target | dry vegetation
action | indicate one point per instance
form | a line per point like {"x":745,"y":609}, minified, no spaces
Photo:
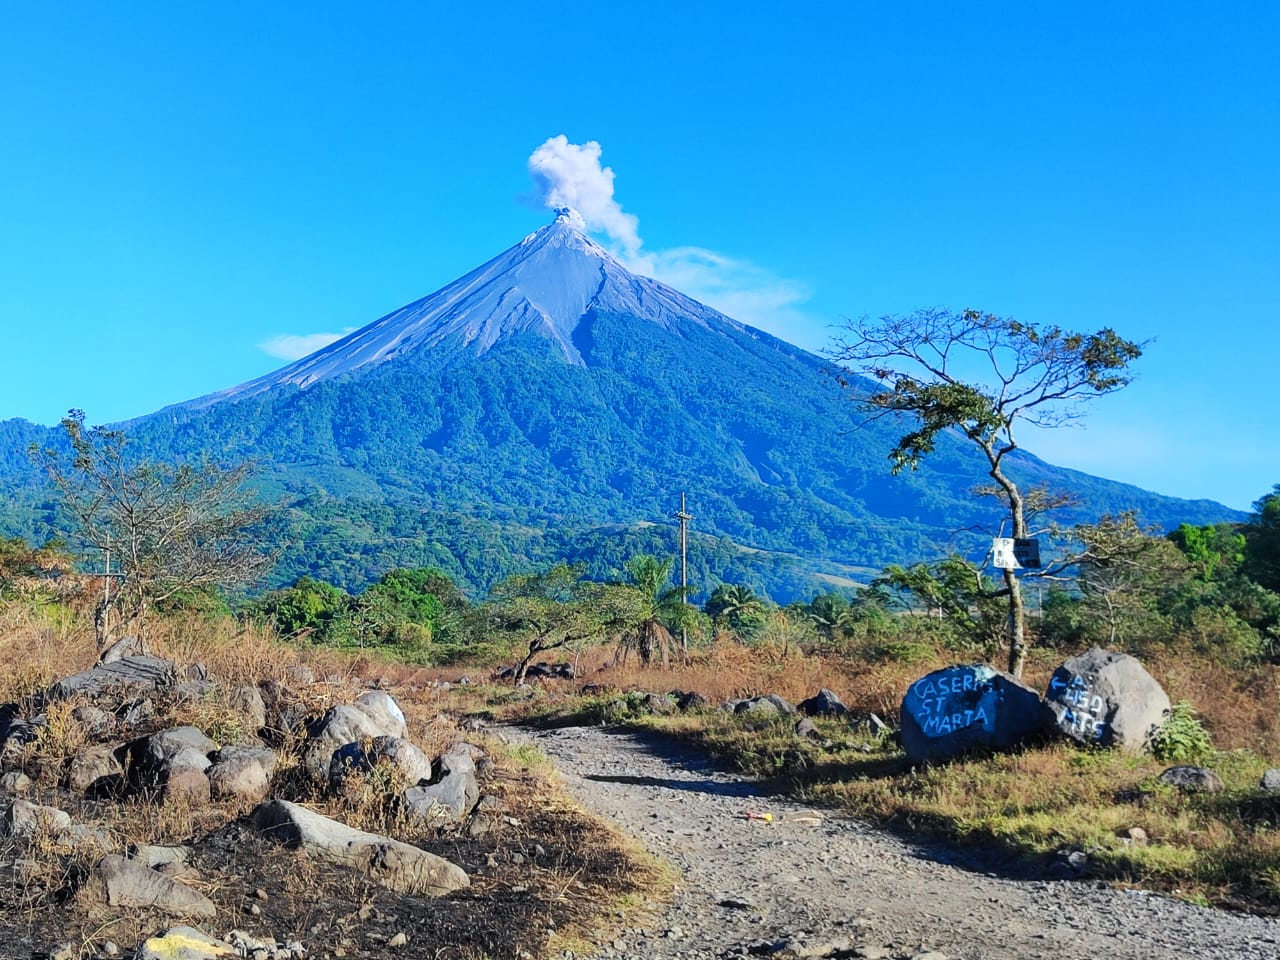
{"x":543,"y":873}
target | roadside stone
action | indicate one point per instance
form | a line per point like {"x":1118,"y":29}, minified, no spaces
{"x":1192,"y":779}
{"x":15,"y":782}
{"x":760,"y":708}
{"x":411,"y":765}
{"x":450,"y":796}
{"x":374,"y":714}
{"x":23,"y":819}
{"x":806,"y":730}
{"x":118,"y":882}
{"x":824,"y":703}
{"x":96,"y":721}
{"x":1270,"y":782}
{"x":398,"y":866}
{"x":95,"y":771}
{"x":1107,"y":698}
{"x":967,"y":708}
{"x":183,"y":943}
{"x":241,"y":773}
{"x":148,"y":673}
{"x":248,"y":700}
{"x":189,"y":785}
{"x":689,"y":702}
{"x":658,"y":704}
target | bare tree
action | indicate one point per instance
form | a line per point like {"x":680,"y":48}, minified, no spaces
{"x":169,"y":529}
{"x":980,"y":376}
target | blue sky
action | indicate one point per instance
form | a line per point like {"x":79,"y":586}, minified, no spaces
{"x":182,"y":184}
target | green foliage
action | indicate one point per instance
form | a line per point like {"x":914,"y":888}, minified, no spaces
{"x":970,"y":614}
{"x":1182,"y":738}
{"x":737,"y":608}
{"x":1216,"y":550}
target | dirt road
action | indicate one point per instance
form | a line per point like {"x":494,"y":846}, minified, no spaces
{"x":822,"y":885}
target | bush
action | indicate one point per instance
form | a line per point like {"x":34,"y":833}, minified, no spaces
{"x":1182,"y":738}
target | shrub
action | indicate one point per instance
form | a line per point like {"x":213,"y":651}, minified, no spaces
{"x":1182,"y":738}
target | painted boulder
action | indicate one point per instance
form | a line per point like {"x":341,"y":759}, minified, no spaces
{"x":964,"y":709}
{"x":1106,"y":698}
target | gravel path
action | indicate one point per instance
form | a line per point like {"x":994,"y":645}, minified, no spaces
{"x":818,"y":884}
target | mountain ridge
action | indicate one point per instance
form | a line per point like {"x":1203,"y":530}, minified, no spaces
{"x":552,"y":390}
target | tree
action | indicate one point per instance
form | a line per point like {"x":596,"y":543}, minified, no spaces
{"x":737,"y":607}
{"x":926,"y":366}
{"x":661,"y":608}
{"x":1262,"y":536}
{"x":168,"y":528}
{"x":555,"y":609}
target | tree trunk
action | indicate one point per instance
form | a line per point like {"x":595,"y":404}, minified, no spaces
{"x":1017,"y":625}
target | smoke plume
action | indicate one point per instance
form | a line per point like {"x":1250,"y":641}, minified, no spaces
{"x":569,"y":175}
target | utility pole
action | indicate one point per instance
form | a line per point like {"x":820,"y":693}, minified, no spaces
{"x":684,"y":517}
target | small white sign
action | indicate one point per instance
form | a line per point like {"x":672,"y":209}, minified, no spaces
{"x":1008,"y":553}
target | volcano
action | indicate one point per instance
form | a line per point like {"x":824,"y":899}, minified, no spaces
{"x":551,"y":405}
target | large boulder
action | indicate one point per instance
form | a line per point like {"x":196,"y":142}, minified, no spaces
{"x":408,"y":762}
{"x":398,"y":866}
{"x":967,"y":708}
{"x":146,"y":673}
{"x":451,"y":796}
{"x":95,"y":771}
{"x":241,"y":773}
{"x":374,"y":714}
{"x":1106,"y":698}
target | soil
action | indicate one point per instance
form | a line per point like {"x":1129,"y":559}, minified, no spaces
{"x":817,"y":884}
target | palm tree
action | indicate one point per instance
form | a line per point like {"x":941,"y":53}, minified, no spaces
{"x":736,"y":606}
{"x":660,"y":608}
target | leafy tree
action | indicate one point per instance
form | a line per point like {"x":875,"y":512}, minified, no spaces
{"x":1215,"y":550}
{"x":309,"y":608}
{"x":660,"y":609}
{"x":958,"y":594}
{"x":980,"y":376}
{"x":736,"y":607}
{"x":1124,"y":572}
{"x":1262,"y":542}
{"x":557,"y":608}
{"x":169,"y":528}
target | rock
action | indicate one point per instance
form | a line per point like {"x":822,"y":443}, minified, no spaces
{"x":688,"y":702}
{"x":823,"y":704}
{"x":183,"y":943}
{"x":190,"y":691}
{"x":23,"y":819}
{"x":1106,"y":698}
{"x":187,"y":784}
{"x":241,"y":773}
{"x":248,"y":700}
{"x":1270,"y":782}
{"x":409,"y":763}
{"x":659,"y":704}
{"x":399,"y":866}
{"x":96,"y":721}
{"x":15,"y":782}
{"x":118,"y":882}
{"x":399,"y":940}
{"x":961,"y":709}
{"x":149,"y":673}
{"x":806,"y":730}
{"x":153,"y":855}
{"x":300,"y":674}
{"x":173,"y":760}
{"x":95,"y":772}
{"x":84,"y":838}
{"x":127,"y":646}
{"x":1192,"y":779}
{"x":452,"y":795}
{"x":761,"y":708}
{"x":1134,"y":835}
{"x":386,"y":713}
{"x":373,"y":715}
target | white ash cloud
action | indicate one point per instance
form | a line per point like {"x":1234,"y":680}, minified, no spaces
{"x":295,"y":346}
{"x":569,"y":175}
